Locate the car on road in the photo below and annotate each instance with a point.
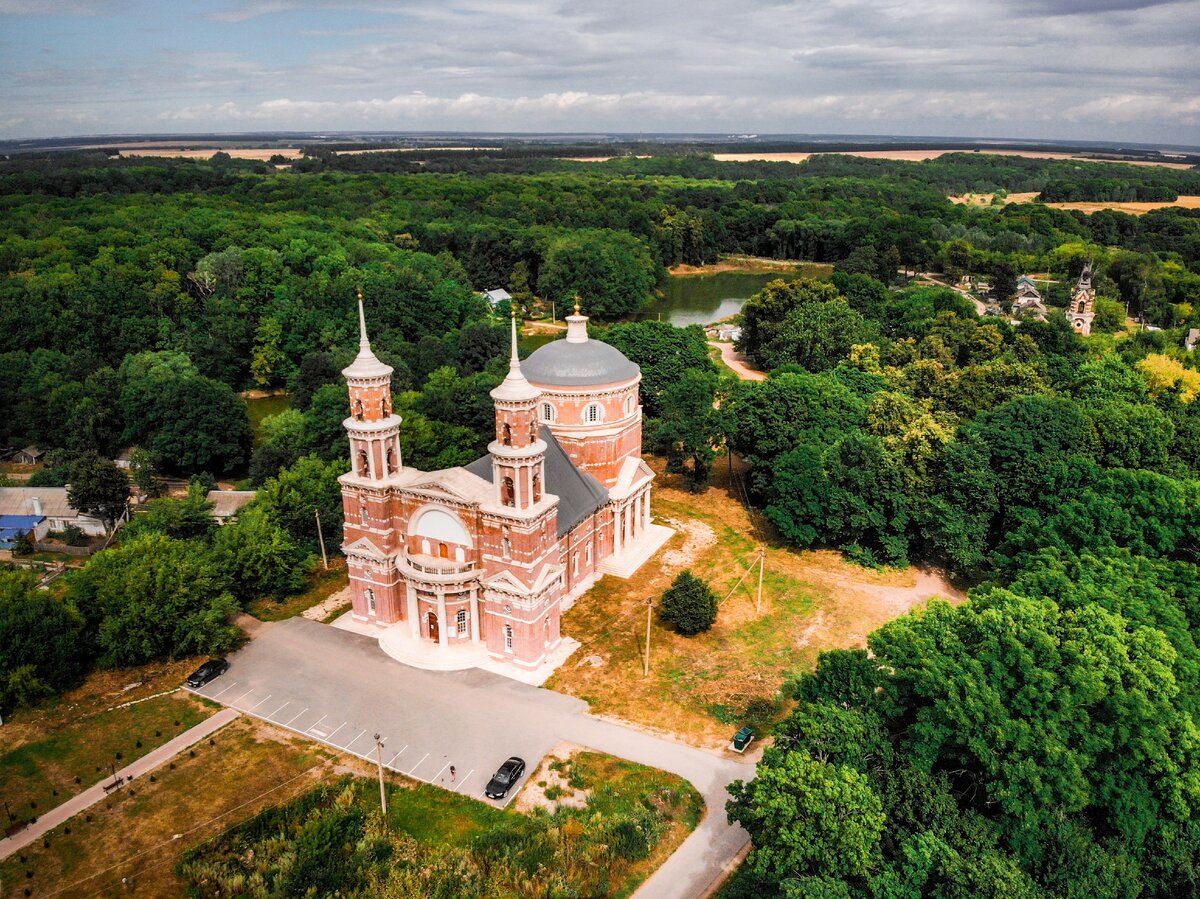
(210, 670)
(502, 781)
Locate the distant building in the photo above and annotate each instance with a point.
(228, 503)
(1081, 310)
(50, 504)
(497, 296)
(125, 459)
(729, 332)
(14, 527)
(1192, 340)
(1027, 301)
(31, 455)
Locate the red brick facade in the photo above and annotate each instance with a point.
(460, 560)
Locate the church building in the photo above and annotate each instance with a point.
(481, 561)
(1082, 309)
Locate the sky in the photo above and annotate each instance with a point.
(1122, 70)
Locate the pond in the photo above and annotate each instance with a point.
(260, 407)
(701, 299)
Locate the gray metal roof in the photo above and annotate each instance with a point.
(564, 363)
(579, 494)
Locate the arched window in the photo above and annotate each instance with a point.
(461, 621)
(547, 412)
(537, 488)
(391, 461)
(362, 513)
(426, 549)
(507, 492)
(629, 404)
(364, 466)
(1082, 305)
(508, 637)
(371, 600)
(506, 543)
(443, 551)
(593, 412)
(587, 555)
(358, 409)
(575, 564)
(506, 434)
(533, 432)
(385, 406)
(546, 641)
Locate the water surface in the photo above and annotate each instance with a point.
(701, 299)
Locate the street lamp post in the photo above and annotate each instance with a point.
(379, 764)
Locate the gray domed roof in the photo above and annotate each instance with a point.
(564, 363)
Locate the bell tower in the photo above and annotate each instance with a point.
(518, 452)
(373, 428)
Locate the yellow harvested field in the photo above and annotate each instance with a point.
(1186, 202)
(921, 155)
(236, 152)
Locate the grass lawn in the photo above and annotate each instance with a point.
(260, 407)
(43, 773)
(699, 687)
(140, 832)
(321, 585)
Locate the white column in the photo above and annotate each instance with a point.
(371, 446)
(414, 624)
(443, 624)
(474, 614)
(646, 509)
(628, 530)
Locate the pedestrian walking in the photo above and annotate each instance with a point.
(452, 772)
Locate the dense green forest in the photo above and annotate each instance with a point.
(1039, 740)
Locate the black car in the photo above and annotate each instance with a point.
(502, 781)
(210, 670)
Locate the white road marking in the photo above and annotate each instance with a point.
(463, 781)
(396, 756)
(417, 765)
(314, 725)
(232, 701)
(260, 702)
(301, 712)
(351, 743)
(278, 710)
(439, 774)
(215, 695)
(335, 730)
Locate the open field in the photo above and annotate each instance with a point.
(139, 832)
(699, 688)
(40, 774)
(260, 153)
(921, 155)
(1184, 201)
(754, 265)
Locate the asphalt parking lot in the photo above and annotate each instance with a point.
(348, 691)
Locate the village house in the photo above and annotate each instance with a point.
(50, 510)
(497, 296)
(31, 455)
(1027, 301)
(226, 504)
(1192, 340)
(475, 565)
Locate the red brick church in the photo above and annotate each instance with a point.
(481, 561)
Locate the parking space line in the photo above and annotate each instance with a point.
(356, 736)
(260, 702)
(463, 781)
(313, 726)
(439, 774)
(335, 730)
(417, 765)
(278, 710)
(215, 695)
(301, 712)
(232, 701)
(396, 756)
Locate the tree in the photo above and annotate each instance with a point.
(316, 371)
(143, 472)
(267, 353)
(100, 489)
(817, 336)
(1004, 280)
(155, 597)
(690, 427)
(290, 499)
(261, 558)
(189, 518)
(663, 352)
(689, 604)
(44, 645)
(764, 314)
(611, 272)
(807, 818)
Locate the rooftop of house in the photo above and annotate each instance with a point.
(227, 503)
(25, 500)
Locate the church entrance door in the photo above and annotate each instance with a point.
(433, 627)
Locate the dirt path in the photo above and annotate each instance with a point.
(737, 363)
(980, 307)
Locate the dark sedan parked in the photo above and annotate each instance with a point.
(502, 781)
(210, 670)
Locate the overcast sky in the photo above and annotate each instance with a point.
(1085, 69)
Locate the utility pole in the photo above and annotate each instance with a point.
(649, 613)
(553, 311)
(762, 561)
(379, 763)
(321, 538)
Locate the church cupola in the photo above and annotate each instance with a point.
(373, 428)
(518, 452)
(577, 326)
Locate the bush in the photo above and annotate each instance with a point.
(689, 605)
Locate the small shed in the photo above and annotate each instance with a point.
(497, 296)
(13, 527)
(31, 455)
(124, 459)
(228, 503)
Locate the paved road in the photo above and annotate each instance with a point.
(339, 688)
(94, 794)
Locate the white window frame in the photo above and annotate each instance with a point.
(460, 621)
(593, 413)
(370, 600)
(508, 638)
(548, 412)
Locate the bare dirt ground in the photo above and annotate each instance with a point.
(1184, 201)
(699, 687)
(921, 155)
(551, 779)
